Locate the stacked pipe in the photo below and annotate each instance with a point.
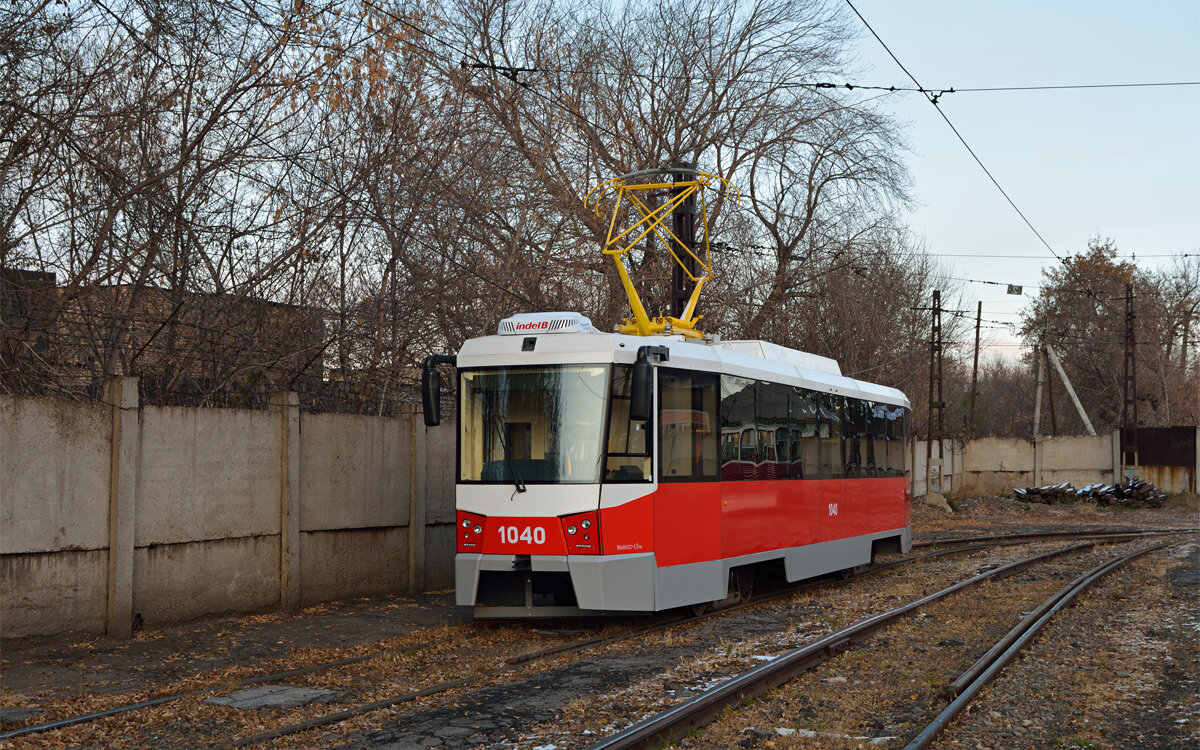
(1135, 493)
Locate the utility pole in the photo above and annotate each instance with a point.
(1037, 417)
(935, 394)
(683, 224)
(975, 373)
(1129, 415)
(1037, 399)
(1050, 394)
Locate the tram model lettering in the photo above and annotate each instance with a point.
(529, 534)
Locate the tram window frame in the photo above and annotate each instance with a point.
(831, 454)
(854, 436)
(804, 417)
(896, 460)
(770, 417)
(705, 463)
(734, 392)
(614, 472)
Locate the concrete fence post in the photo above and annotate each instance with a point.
(418, 488)
(1118, 475)
(287, 407)
(121, 393)
(1037, 461)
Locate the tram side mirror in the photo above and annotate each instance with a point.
(641, 397)
(431, 396)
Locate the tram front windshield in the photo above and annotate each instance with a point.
(532, 424)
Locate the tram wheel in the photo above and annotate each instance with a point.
(698, 610)
(743, 581)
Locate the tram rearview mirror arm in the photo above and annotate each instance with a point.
(641, 395)
(431, 387)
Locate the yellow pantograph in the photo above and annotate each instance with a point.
(626, 189)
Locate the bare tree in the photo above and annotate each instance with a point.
(234, 198)
(1080, 311)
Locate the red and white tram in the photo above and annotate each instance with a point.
(604, 472)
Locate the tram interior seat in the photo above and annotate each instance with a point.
(627, 473)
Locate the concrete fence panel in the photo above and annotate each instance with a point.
(180, 582)
(54, 488)
(1080, 460)
(354, 471)
(996, 465)
(207, 474)
(356, 477)
(441, 447)
(206, 537)
(54, 461)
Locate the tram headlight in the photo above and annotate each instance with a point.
(571, 529)
(466, 523)
(478, 529)
(586, 524)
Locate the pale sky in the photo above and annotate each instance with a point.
(1120, 163)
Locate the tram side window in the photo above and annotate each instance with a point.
(804, 418)
(628, 458)
(854, 436)
(739, 434)
(877, 429)
(897, 439)
(687, 419)
(830, 458)
(772, 414)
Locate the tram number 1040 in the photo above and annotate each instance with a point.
(529, 534)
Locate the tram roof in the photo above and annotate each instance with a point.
(749, 359)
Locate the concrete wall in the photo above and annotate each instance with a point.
(991, 466)
(109, 511)
(113, 511)
(998, 465)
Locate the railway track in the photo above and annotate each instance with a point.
(518, 661)
(680, 720)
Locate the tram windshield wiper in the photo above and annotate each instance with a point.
(511, 465)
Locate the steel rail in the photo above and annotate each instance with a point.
(675, 722)
(1016, 640)
(1083, 534)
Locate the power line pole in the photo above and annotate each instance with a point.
(1037, 414)
(1037, 399)
(1129, 415)
(975, 372)
(1050, 394)
(935, 394)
